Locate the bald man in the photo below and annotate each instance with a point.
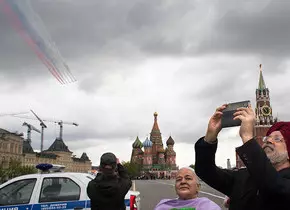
(187, 186)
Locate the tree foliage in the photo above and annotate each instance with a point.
(132, 168)
(192, 166)
(15, 169)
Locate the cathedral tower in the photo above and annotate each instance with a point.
(156, 139)
(137, 153)
(161, 157)
(170, 154)
(147, 157)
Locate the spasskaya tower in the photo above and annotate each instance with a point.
(264, 113)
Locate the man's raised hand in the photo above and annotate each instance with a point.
(247, 116)
(215, 125)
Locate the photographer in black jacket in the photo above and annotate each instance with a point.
(108, 190)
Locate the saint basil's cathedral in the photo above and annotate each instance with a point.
(154, 159)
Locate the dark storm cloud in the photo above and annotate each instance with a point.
(17, 60)
(90, 27)
(262, 32)
(87, 26)
(96, 29)
(117, 29)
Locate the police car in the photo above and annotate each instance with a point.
(50, 190)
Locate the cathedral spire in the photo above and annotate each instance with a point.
(262, 85)
(155, 125)
(156, 139)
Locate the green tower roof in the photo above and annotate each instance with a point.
(262, 84)
(137, 143)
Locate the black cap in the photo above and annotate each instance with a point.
(108, 159)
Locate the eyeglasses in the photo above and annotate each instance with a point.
(275, 139)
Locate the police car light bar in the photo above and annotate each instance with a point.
(57, 168)
(46, 168)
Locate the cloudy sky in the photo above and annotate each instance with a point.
(132, 58)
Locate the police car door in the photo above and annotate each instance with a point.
(18, 194)
(60, 192)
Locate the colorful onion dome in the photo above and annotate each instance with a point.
(137, 143)
(147, 143)
(170, 141)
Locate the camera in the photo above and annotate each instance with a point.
(227, 117)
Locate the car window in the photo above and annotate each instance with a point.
(59, 189)
(18, 192)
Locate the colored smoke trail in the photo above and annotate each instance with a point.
(30, 27)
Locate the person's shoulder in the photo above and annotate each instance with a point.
(162, 202)
(98, 178)
(208, 204)
(92, 183)
(165, 200)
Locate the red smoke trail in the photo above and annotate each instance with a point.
(17, 24)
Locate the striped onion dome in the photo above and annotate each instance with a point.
(147, 143)
(137, 143)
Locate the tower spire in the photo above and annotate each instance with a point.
(156, 139)
(262, 84)
(264, 114)
(155, 125)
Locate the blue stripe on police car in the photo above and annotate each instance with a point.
(55, 205)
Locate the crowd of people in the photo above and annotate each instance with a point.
(264, 184)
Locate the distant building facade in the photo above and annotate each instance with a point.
(154, 159)
(11, 145)
(264, 114)
(14, 148)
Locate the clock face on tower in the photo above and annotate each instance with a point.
(266, 110)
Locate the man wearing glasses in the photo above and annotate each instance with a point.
(265, 182)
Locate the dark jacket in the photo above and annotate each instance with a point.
(108, 192)
(257, 187)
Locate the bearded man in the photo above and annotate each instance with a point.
(265, 182)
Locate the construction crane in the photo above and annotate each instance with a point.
(29, 129)
(59, 122)
(42, 129)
